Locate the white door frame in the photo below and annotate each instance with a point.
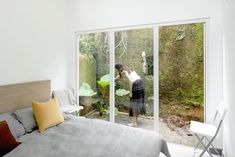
(155, 27)
(156, 78)
(112, 73)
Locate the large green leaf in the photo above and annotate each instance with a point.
(122, 92)
(85, 90)
(104, 80)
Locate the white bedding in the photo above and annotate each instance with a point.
(81, 137)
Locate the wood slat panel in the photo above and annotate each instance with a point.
(21, 95)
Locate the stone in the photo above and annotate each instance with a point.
(87, 70)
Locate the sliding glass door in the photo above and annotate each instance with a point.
(134, 51)
(93, 75)
(164, 75)
(181, 80)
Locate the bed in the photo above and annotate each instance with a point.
(77, 136)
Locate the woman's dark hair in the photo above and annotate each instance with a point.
(120, 68)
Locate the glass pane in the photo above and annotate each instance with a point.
(134, 53)
(93, 71)
(181, 80)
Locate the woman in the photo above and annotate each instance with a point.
(137, 95)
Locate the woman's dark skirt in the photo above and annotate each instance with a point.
(137, 101)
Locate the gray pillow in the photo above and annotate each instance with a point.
(16, 128)
(26, 117)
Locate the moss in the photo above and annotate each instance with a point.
(87, 70)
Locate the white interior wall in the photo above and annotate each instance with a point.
(100, 14)
(33, 42)
(229, 76)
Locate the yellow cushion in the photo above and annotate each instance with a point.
(47, 114)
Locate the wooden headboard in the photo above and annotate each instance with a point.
(16, 96)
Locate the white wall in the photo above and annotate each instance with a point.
(229, 76)
(33, 41)
(99, 14)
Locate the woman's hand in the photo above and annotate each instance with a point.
(116, 78)
(130, 94)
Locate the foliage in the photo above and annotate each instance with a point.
(122, 92)
(87, 44)
(96, 45)
(103, 86)
(150, 64)
(104, 81)
(85, 90)
(181, 58)
(100, 108)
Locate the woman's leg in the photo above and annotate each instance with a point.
(130, 115)
(134, 121)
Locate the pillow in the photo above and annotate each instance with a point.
(16, 128)
(7, 140)
(26, 117)
(47, 114)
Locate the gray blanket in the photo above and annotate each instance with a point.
(81, 137)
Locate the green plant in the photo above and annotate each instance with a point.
(85, 90)
(104, 81)
(122, 92)
(103, 86)
(100, 108)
